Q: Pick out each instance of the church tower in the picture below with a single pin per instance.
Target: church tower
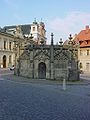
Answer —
(38, 32)
(42, 32)
(34, 30)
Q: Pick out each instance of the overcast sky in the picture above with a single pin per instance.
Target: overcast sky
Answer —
(62, 17)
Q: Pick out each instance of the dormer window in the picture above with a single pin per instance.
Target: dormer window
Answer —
(80, 42)
(87, 41)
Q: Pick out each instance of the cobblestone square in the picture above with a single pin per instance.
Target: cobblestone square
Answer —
(43, 100)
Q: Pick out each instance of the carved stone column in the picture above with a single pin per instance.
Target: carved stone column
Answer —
(52, 58)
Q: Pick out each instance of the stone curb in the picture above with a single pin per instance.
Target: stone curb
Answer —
(47, 82)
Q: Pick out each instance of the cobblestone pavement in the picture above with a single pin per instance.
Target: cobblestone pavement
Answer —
(43, 101)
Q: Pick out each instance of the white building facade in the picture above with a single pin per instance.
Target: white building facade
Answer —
(6, 50)
(20, 34)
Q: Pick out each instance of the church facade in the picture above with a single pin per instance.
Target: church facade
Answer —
(42, 61)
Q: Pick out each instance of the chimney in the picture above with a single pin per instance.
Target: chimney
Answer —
(87, 28)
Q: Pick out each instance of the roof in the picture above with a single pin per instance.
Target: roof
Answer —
(2, 32)
(25, 28)
(83, 37)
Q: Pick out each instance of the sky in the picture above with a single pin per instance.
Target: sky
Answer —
(62, 17)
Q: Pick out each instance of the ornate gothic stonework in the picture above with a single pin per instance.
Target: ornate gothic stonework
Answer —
(49, 62)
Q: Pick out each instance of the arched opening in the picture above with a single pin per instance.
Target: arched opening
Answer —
(4, 61)
(42, 70)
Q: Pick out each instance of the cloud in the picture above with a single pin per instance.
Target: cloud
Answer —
(72, 23)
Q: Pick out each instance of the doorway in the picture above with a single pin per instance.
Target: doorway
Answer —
(4, 61)
(42, 70)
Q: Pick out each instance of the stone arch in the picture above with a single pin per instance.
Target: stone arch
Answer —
(4, 61)
(42, 70)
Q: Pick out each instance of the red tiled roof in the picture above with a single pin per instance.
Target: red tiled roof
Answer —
(83, 37)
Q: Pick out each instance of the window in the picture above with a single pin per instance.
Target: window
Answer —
(33, 28)
(9, 45)
(81, 52)
(80, 42)
(81, 65)
(87, 41)
(10, 59)
(87, 66)
(4, 44)
(87, 52)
